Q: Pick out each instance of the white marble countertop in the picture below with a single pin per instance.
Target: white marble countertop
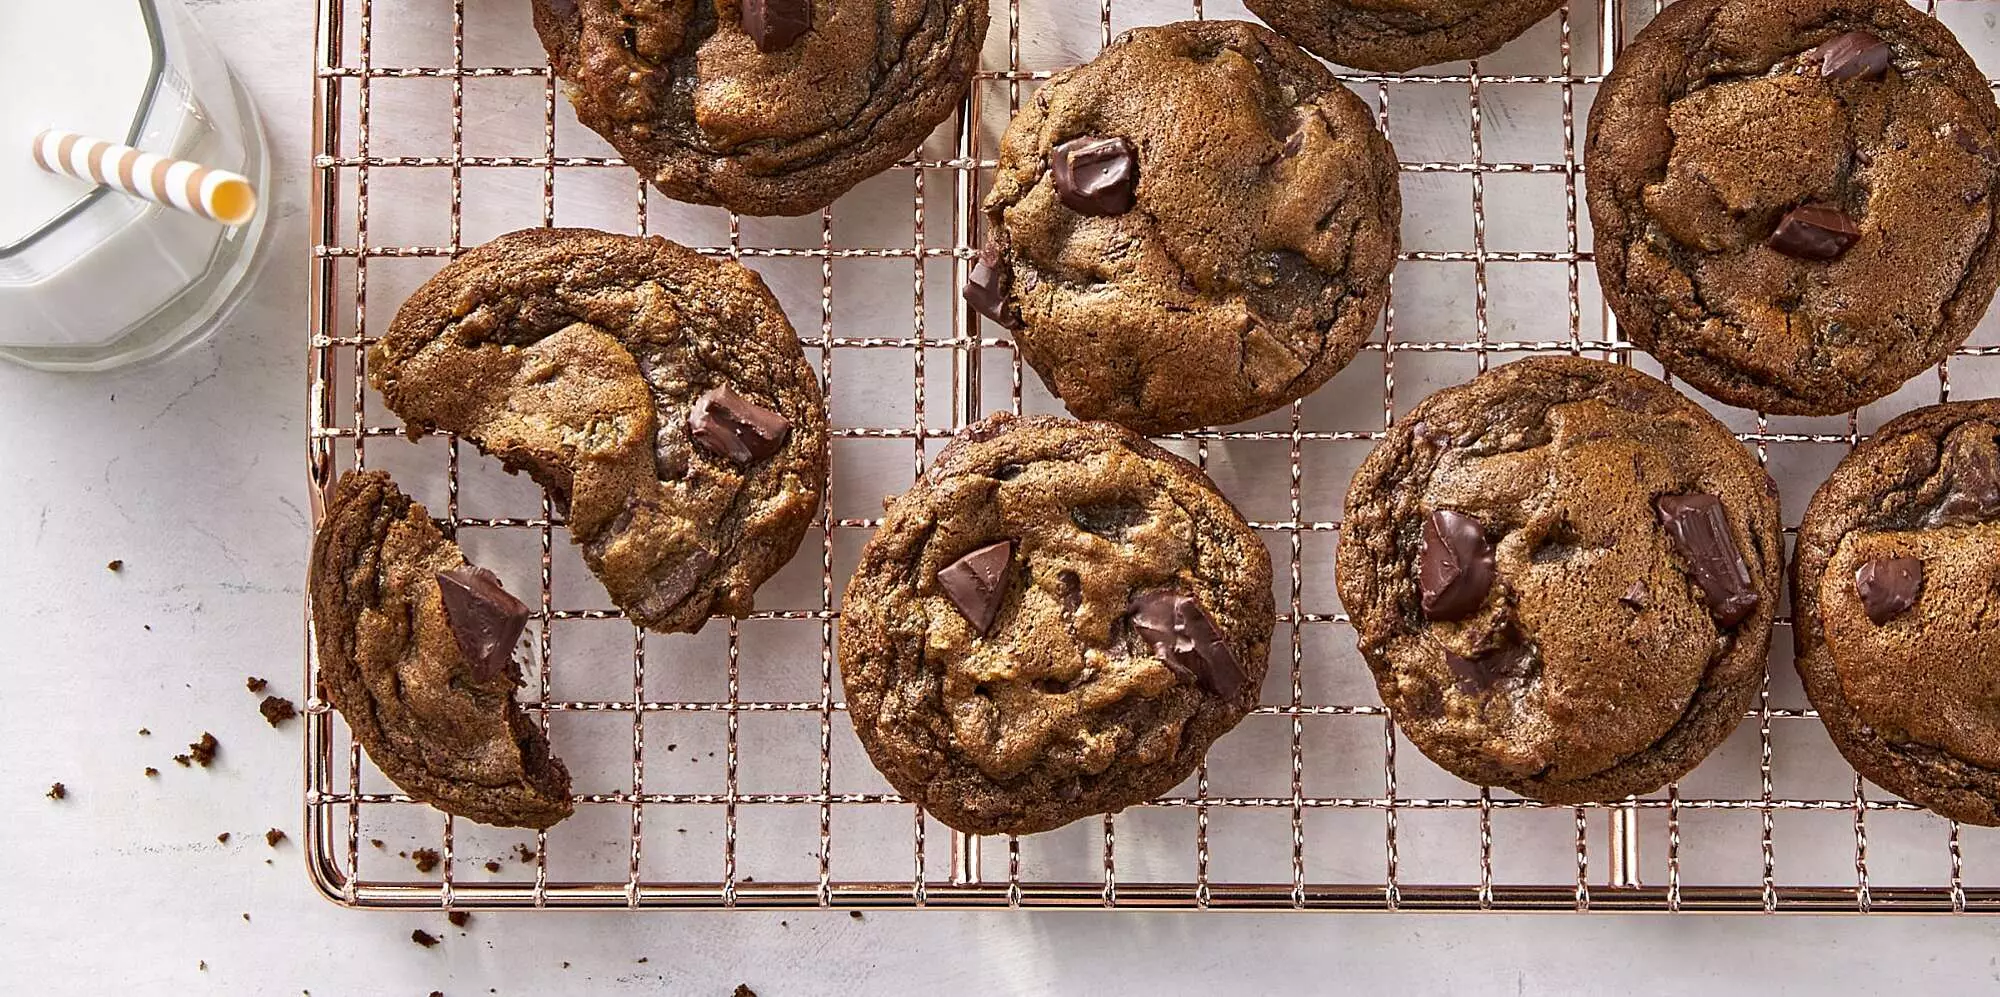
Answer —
(190, 472)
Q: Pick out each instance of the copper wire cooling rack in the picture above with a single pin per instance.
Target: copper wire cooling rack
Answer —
(718, 770)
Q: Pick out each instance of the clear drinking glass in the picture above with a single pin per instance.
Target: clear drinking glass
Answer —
(91, 278)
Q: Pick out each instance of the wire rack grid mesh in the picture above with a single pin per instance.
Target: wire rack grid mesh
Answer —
(717, 770)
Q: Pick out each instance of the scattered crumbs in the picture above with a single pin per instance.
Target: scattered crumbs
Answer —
(255, 684)
(565, 965)
(522, 853)
(424, 938)
(644, 959)
(222, 839)
(56, 791)
(115, 564)
(855, 914)
(458, 918)
(246, 915)
(182, 760)
(273, 836)
(671, 747)
(426, 859)
(143, 732)
(377, 842)
(277, 710)
(743, 990)
(201, 964)
(152, 773)
(203, 751)
(492, 866)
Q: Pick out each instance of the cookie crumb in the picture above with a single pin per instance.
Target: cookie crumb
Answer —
(201, 964)
(855, 914)
(255, 684)
(56, 791)
(203, 751)
(565, 965)
(115, 564)
(246, 915)
(522, 853)
(643, 960)
(458, 918)
(743, 990)
(277, 710)
(273, 836)
(143, 732)
(437, 993)
(222, 839)
(152, 773)
(424, 938)
(492, 866)
(426, 859)
(377, 842)
(183, 761)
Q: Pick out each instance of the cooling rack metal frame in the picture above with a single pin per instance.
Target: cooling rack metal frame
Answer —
(339, 804)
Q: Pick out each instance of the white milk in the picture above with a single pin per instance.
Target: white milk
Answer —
(93, 278)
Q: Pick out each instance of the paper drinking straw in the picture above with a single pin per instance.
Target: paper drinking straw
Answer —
(217, 195)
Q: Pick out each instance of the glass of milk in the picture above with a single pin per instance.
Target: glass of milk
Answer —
(91, 278)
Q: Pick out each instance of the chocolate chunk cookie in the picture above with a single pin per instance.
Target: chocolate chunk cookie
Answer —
(765, 107)
(660, 397)
(1395, 35)
(1795, 202)
(1054, 621)
(1896, 596)
(1563, 575)
(1195, 228)
(416, 651)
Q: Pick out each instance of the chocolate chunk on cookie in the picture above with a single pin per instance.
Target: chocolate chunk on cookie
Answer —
(661, 399)
(1795, 203)
(1397, 35)
(1056, 620)
(1895, 598)
(1194, 228)
(764, 107)
(392, 639)
(1563, 575)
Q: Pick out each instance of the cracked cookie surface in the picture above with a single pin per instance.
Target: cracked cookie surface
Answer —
(1246, 265)
(1120, 624)
(614, 370)
(1563, 575)
(692, 99)
(1397, 35)
(1721, 121)
(1896, 596)
(441, 727)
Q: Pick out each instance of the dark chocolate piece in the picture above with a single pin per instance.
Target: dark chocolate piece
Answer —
(485, 619)
(1815, 232)
(1637, 595)
(1454, 565)
(775, 24)
(1479, 675)
(1854, 55)
(1096, 176)
(986, 287)
(976, 584)
(1698, 527)
(1974, 495)
(1184, 637)
(729, 425)
(1888, 586)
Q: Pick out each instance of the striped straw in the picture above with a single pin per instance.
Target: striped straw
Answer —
(217, 195)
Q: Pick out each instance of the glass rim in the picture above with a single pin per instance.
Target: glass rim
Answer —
(140, 113)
